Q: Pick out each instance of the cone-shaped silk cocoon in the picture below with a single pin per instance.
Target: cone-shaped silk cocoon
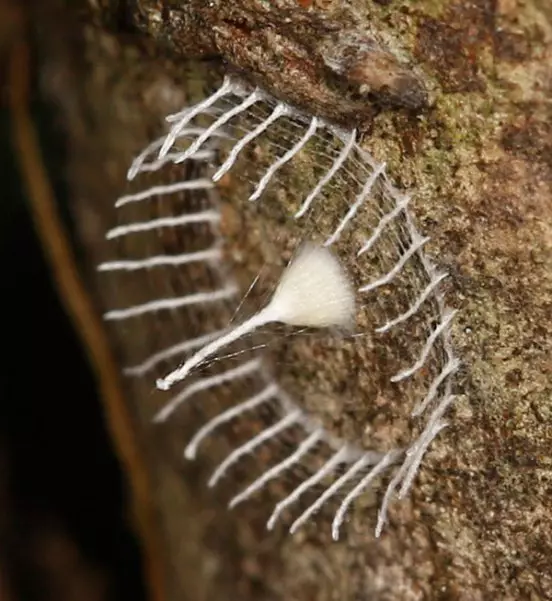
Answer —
(314, 291)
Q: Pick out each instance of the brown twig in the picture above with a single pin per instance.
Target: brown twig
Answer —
(83, 314)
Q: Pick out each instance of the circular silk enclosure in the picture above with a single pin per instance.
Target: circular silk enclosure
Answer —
(306, 298)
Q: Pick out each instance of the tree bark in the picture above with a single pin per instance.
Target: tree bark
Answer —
(468, 127)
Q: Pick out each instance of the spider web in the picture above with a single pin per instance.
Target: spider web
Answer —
(238, 169)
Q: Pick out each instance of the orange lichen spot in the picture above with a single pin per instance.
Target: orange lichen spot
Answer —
(225, 181)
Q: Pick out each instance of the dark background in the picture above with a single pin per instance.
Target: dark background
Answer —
(65, 532)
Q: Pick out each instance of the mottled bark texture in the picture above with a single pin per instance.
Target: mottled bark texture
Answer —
(478, 154)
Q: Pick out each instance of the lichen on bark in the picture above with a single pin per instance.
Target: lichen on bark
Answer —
(477, 524)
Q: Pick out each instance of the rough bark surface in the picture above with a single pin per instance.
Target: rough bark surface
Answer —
(478, 523)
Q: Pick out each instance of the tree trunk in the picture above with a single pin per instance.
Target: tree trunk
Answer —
(464, 121)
